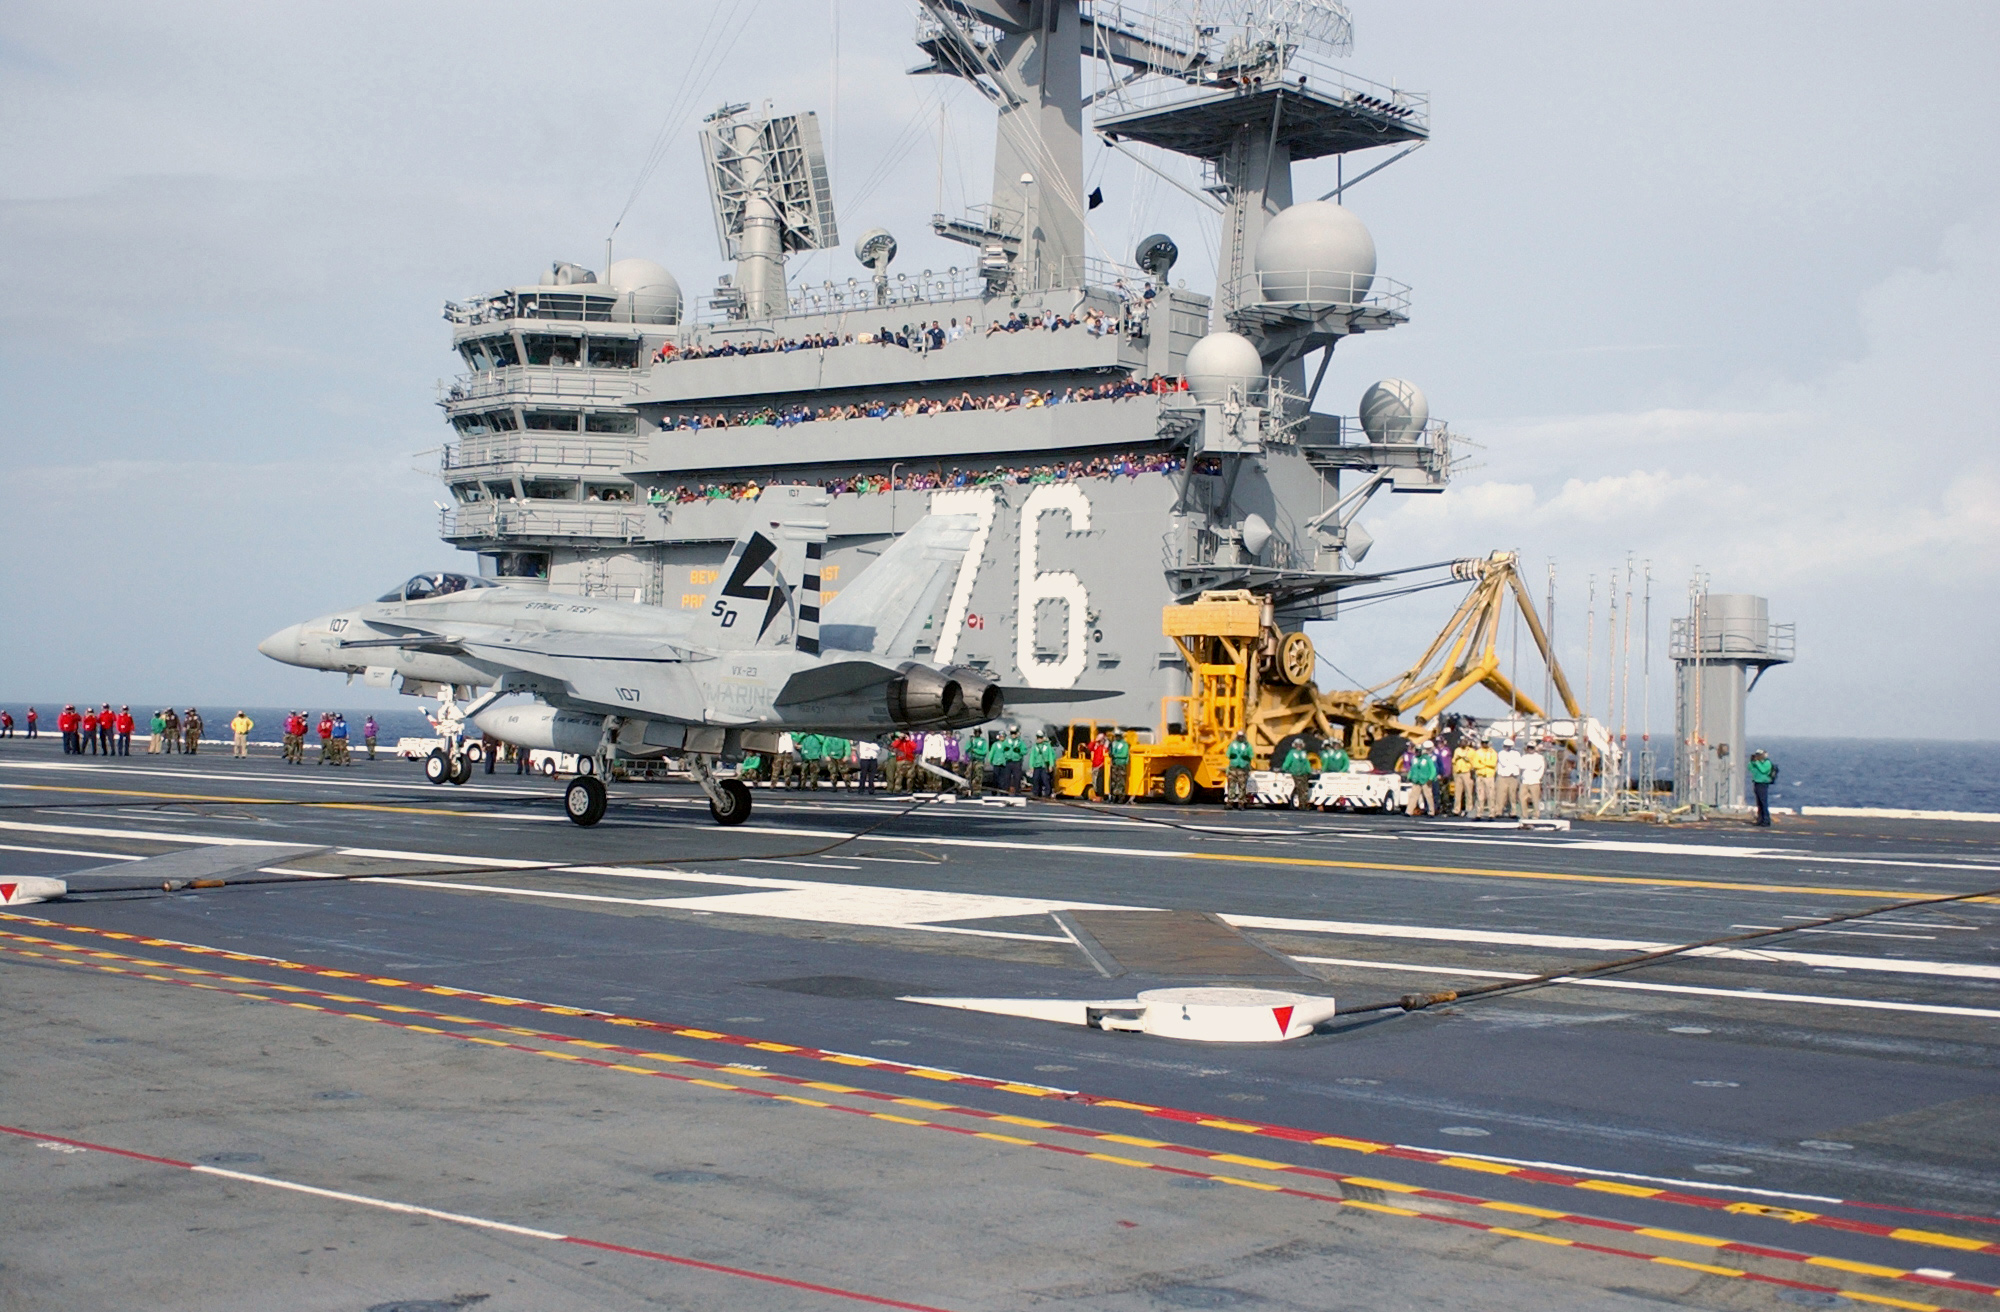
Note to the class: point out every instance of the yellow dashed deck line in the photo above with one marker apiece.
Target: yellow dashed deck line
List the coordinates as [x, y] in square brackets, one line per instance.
[1940, 1240]
[1614, 1187]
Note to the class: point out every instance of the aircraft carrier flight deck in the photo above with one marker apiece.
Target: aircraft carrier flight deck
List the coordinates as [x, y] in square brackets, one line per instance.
[506, 1062]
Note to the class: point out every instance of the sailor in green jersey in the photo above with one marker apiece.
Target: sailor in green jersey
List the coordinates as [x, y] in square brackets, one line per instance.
[1042, 760]
[1236, 779]
[1763, 773]
[1423, 773]
[810, 748]
[751, 764]
[1333, 757]
[1299, 766]
[1121, 767]
[975, 762]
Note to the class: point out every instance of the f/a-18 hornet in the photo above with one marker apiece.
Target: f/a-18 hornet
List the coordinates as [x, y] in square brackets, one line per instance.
[623, 678]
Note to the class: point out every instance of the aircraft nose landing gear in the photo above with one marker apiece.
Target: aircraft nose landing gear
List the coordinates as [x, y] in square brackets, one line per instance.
[584, 800]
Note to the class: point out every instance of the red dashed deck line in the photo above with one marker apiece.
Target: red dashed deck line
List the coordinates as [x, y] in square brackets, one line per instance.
[1292, 1134]
[1389, 1186]
[741, 1273]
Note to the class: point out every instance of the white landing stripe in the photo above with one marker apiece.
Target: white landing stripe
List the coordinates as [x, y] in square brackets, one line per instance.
[151, 836]
[1701, 849]
[1640, 986]
[67, 851]
[385, 1204]
[1434, 934]
[1897, 813]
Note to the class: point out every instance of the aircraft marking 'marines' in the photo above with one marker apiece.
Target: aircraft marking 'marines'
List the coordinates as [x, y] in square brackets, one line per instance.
[623, 678]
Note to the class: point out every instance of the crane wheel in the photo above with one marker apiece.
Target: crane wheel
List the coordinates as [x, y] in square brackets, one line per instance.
[1295, 659]
[1180, 788]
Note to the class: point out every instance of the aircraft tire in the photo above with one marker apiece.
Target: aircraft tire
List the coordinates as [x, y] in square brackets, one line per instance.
[584, 801]
[461, 770]
[737, 809]
[437, 766]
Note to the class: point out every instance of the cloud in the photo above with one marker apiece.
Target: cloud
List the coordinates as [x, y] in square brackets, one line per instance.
[1867, 498]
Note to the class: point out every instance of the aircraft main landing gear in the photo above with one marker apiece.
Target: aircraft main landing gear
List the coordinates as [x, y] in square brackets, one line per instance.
[584, 800]
[728, 799]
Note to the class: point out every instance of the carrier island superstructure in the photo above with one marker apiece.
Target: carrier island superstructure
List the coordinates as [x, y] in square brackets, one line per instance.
[588, 457]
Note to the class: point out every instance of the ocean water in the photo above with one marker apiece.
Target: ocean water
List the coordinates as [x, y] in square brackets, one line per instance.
[1897, 772]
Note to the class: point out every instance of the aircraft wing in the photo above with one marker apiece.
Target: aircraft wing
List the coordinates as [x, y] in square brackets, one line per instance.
[1054, 696]
[840, 679]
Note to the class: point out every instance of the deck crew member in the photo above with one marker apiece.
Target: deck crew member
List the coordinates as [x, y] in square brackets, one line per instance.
[1763, 773]
[868, 760]
[1485, 763]
[87, 732]
[1533, 766]
[370, 729]
[159, 727]
[6, 723]
[1042, 761]
[34, 718]
[976, 753]
[781, 772]
[1422, 774]
[106, 730]
[125, 725]
[1236, 777]
[239, 731]
[1121, 768]
[326, 737]
[191, 730]
[1298, 765]
[1506, 779]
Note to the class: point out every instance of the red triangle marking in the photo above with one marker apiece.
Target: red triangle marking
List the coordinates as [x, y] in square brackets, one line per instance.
[7, 892]
[1283, 1015]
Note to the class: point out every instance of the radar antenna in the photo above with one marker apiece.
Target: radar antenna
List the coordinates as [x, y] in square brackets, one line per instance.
[768, 182]
[875, 249]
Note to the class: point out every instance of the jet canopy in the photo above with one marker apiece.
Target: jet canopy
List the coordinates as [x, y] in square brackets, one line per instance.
[439, 583]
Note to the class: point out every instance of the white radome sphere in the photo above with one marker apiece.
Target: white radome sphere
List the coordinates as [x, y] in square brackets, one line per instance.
[1394, 411]
[651, 294]
[1316, 251]
[1219, 362]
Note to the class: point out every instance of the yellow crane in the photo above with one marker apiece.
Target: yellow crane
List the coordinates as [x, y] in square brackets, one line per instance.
[1246, 674]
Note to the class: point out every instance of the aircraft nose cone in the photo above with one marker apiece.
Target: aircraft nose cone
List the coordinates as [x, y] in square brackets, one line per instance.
[282, 645]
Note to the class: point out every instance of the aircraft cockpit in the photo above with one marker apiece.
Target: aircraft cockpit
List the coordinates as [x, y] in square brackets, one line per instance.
[438, 584]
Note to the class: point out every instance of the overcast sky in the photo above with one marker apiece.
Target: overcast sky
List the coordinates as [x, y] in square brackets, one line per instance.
[1712, 285]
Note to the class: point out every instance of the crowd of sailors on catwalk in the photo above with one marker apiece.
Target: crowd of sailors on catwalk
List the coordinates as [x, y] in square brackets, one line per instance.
[1028, 398]
[1129, 465]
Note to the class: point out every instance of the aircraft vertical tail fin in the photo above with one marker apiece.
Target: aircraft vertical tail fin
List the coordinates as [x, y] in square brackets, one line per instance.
[769, 594]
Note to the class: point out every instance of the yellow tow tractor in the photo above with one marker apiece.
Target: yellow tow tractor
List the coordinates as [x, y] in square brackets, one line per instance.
[1246, 674]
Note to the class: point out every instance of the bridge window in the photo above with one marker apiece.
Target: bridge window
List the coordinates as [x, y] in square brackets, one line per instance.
[489, 352]
[550, 348]
[610, 422]
[549, 489]
[552, 421]
[614, 353]
[468, 492]
[491, 421]
[607, 492]
[503, 491]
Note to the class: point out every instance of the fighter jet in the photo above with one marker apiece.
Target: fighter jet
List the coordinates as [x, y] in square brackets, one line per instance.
[624, 678]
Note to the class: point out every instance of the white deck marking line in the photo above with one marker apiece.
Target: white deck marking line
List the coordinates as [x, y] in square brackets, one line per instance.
[1698, 849]
[68, 851]
[385, 1204]
[1435, 934]
[151, 836]
[412, 785]
[1640, 986]
[822, 865]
